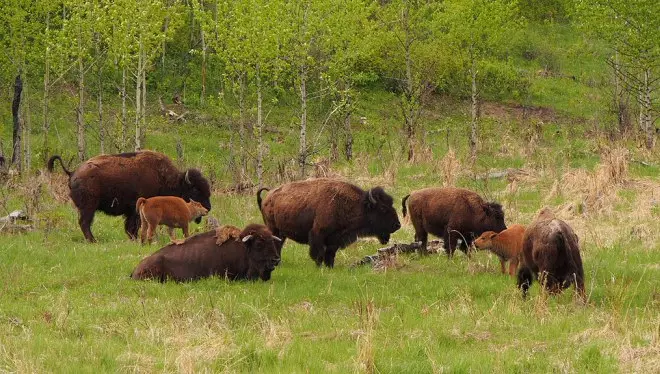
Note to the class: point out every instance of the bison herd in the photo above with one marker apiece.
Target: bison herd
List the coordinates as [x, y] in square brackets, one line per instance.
[327, 214]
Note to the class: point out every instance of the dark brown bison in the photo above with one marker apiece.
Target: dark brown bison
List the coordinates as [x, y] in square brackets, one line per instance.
[113, 183]
[328, 215]
[551, 253]
[225, 252]
[452, 214]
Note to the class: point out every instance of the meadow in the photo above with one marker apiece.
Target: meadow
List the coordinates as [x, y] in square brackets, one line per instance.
[70, 306]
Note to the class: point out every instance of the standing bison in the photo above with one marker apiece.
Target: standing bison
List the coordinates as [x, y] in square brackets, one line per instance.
[452, 214]
[551, 252]
[225, 252]
[328, 215]
[113, 183]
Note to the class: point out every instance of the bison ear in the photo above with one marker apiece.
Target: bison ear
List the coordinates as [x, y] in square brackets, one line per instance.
[492, 235]
[486, 209]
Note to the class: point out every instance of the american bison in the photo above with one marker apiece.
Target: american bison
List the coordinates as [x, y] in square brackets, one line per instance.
[225, 252]
[171, 211]
[328, 215]
[451, 213]
[507, 245]
[113, 183]
[551, 253]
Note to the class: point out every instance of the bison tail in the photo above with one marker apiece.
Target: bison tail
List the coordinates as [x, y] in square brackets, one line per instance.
[138, 205]
[51, 164]
[403, 204]
[525, 279]
[259, 196]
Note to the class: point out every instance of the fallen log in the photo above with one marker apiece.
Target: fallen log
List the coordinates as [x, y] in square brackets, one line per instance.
[433, 246]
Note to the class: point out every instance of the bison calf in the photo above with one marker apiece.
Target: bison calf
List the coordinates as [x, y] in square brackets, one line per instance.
[551, 253]
[226, 252]
[452, 214]
[170, 211]
[507, 245]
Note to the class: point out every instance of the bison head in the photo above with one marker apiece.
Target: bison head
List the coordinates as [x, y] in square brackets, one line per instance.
[381, 217]
[195, 187]
[493, 219]
[485, 241]
[262, 252]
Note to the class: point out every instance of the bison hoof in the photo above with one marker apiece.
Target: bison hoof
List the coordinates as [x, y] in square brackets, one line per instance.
[178, 242]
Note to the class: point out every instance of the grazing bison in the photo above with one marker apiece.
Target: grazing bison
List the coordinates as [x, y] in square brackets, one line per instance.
[551, 253]
[328, 215]
[171, 211]
[452, 213]
[507, 245]
[113, 183]
[226, 252]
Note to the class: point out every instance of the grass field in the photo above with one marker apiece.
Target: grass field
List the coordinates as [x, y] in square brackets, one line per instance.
[69, 306]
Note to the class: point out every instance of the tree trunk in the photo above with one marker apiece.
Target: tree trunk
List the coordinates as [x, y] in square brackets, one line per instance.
[124, 112]
[81, 109]
[302, 156]
[143, 116]
[203, 93]
[241, 125]
[473, 132]
[27, 148]
[100, 101]
[348, 142]
[138, 100]
[259, 129]
[46, 119]
[646, 108]
[408, 110]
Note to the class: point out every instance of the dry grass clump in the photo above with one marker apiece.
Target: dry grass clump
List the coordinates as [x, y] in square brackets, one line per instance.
[596, 192]
[368, 315]
[450, 168]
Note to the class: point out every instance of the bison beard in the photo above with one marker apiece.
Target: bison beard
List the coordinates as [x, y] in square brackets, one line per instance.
[113, 183]
[328, 215]
[249, 254]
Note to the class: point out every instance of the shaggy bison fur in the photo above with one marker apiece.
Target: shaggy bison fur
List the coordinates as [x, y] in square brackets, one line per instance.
[170, 211]
[328, 215]
[452, 214]
[113, 183]
[507, 245]
[225, 252]
[551, 253]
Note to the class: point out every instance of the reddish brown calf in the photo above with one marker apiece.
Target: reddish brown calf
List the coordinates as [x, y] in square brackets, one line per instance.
[171, 211]
[507, 245]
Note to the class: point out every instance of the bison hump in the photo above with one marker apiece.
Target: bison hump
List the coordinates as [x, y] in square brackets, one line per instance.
[227, 232]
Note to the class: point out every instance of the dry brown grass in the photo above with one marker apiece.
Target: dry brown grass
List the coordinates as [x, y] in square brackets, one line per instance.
[368, 314]
[450, 167]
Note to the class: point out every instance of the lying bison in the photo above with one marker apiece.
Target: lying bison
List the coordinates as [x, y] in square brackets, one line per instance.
[113, 183]
[328, 215]
[451, 213]
[506, 244]
[551, 253]
[225, 252]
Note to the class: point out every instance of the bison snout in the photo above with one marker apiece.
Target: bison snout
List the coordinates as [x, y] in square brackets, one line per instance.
[198, 220]
[397, 226]
[384, 239]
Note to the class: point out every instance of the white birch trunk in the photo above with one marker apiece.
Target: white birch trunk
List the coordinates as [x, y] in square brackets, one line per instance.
[302, 155]
[138, 100]
[259, 130]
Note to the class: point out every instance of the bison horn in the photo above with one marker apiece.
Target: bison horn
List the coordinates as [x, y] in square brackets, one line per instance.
[371, 197]
[276, 238]
[246, 238]
[186, 177]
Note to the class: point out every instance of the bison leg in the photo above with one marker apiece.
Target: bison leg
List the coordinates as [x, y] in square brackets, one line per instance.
[513, 265]
[422, 236]
[502, 262]
[186, 233]
[170, 232]
[132, 225]
[85, 220]
[329, 258]
[449, 242]
[525, 279]
[316, 247]
[143, 231]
